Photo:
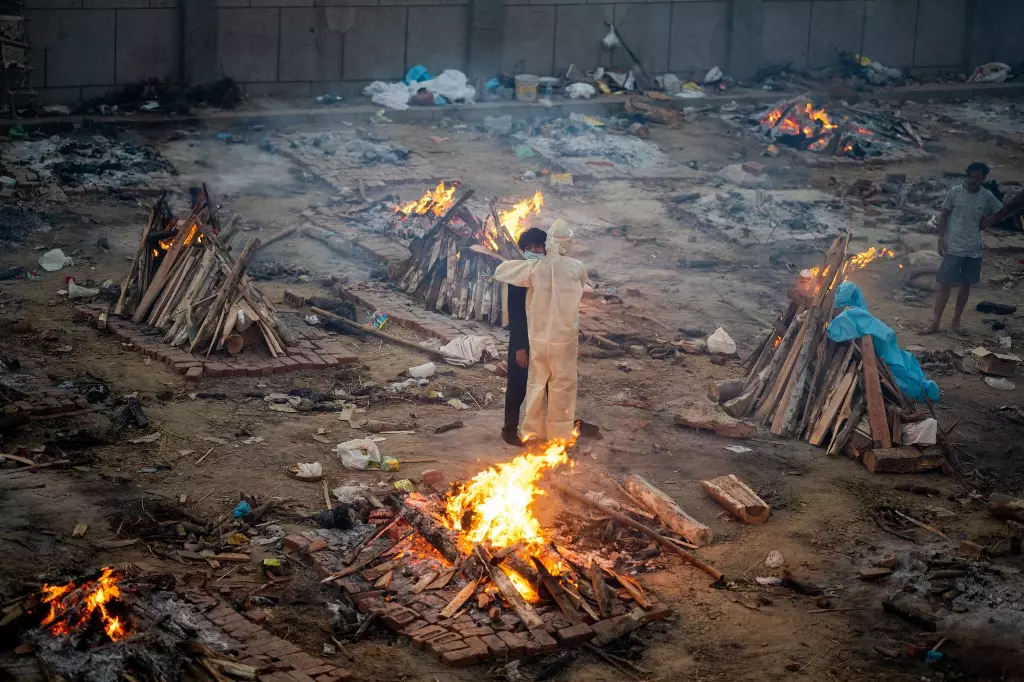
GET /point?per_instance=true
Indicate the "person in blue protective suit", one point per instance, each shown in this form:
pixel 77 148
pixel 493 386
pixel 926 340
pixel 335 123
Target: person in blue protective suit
pixel 554 287
pixel 531 243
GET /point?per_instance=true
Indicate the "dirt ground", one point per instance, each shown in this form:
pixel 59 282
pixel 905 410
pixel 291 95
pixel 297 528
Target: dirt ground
pixel 632 235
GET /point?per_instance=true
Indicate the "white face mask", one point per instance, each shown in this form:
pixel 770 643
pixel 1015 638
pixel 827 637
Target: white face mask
pixel 530 255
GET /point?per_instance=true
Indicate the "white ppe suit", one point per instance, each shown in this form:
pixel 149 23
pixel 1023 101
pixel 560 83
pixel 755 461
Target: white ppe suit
pixel 554 287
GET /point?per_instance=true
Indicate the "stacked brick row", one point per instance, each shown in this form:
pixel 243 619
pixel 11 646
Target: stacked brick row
pixel 47 401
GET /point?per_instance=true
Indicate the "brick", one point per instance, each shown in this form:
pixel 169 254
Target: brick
pixel 300 660
pixel 575 634
pixel 296 676
pixel 754 168
pixel 515 642
pixel 397 619
pixel 293 299
pixel 346 359
pixel 426 633
pixel 460 658
pixel 431 616
pixel 318 670
pixel 411 629
pixel 194 373
pixel 295 543
pixel 439 650
pixel 658 611
pixel 540 642
pixel 256 615
pixel 477 645
pixel 217 369
pixel 440 639
pixel 371 601
pixel 495 646
pixel 288 364
pixel 478 631
pixel 433 477
pixel 316 545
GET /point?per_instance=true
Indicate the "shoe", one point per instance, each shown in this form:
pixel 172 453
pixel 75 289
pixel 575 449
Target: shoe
pixel 511 436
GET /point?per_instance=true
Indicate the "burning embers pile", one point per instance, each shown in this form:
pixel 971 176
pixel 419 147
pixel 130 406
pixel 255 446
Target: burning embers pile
pixel 801 124
pixel 453 261
pixel 74 606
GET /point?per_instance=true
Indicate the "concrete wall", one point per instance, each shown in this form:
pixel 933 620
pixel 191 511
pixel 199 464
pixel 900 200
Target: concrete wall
pixel 82 48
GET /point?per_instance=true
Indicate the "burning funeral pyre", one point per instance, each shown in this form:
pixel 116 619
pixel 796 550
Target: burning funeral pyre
pixel 185 282
pixel 801 124
pixel 841 396
pixel 111 626
pixel 474 573
pixel 452 265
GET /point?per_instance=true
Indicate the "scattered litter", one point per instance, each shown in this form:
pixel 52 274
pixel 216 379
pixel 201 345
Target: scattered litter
pixel 738 449
pixel 241 509
pixel 312 320
pixel 335 517
pixel 580 91
pixel 54 259
pixel 720 342
pixel 349 494
pixel 1000 383
pixel 524 151
pixel 920 433
pixel 562 179
pixel 993 72
pixel 307 471
pixel 774 559
pixel 424 371
pixel 360 454
pixel 148 438
pixel 768 581
pixel 995 364
pixel 74 292
pixel 404 485
pixel 713 75
pixel 450 426
pixel 458 404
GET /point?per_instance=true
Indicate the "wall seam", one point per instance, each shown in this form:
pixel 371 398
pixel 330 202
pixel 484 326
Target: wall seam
pixel 917 23
pixel 863 27
pixel 277 65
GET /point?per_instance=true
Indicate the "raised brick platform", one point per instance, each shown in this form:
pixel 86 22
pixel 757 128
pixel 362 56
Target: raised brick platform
pixel 309 354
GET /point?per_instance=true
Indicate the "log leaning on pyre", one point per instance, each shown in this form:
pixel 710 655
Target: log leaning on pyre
pixel 801 384
pixel 194 290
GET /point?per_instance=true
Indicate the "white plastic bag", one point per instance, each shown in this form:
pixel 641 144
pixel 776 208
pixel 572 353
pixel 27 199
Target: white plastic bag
pixel 54 259
pixel 424 371
pixel 1000 383
pixel 920 433
pixel 348 493
pixel 720 342
pixel 993 72
pixel 452 85
pixel 391 95
pixel 580 91
pixel 76 292
pixel 310 470
pixel 713 75
pixel 611 39
pixel 360 454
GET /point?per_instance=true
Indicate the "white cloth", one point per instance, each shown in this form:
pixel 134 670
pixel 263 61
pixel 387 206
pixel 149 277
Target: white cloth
pixel 554 289
pixel 464 349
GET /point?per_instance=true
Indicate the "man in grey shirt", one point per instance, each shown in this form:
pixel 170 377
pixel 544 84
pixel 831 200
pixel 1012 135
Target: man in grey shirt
pixel 967 210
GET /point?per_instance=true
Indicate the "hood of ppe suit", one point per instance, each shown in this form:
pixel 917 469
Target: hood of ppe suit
pixel 559 238
pixel 554 289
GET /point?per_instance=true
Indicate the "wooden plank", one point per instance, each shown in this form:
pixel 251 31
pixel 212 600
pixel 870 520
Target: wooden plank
pixel 873 393
pixel 553 587
pixel 600 589
pixel 737 497
pixel 459 599
pixel 442 580
pixel 835 401
pixel 422 583
pixel 79 530
pixel 668 511
pixel 525 612
pixel 360 565
pixel 384 581
pixel 163 273
pixel 792 395
pixel 903 460
pixel 767 407
pixel 709 418
pixel 632 587
pixel 372 574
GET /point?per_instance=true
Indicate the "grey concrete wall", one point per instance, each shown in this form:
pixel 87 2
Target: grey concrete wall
pixel 82 48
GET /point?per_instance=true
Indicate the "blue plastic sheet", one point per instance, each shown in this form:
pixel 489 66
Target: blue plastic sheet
pixel 417 74
pixel 856 321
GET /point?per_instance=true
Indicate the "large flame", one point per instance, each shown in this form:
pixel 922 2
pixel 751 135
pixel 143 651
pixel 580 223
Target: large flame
pixel 435 202
pixel 72 606
pixel 811 278
pixel 513 220
pixel 862 259
pixel 816 126
pixel 500 501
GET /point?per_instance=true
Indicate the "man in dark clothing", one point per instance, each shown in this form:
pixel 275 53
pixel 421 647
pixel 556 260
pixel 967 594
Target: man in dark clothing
pixel 531 243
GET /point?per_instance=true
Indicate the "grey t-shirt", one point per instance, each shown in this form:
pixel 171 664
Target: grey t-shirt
pixel 963 229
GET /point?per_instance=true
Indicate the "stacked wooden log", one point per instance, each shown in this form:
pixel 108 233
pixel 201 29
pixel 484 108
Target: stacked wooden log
pixel 802 384
pixel 184 282
pixel 452 265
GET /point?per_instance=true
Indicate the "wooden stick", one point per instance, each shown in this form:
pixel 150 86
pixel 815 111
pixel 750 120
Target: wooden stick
pixel 661 539
pixel 459 599
pixel 283 234
pixel 357 567
pixel 35 467
pixel 600 589
pixel 432 352
pixel 525 612
pixel 556 592
pixel 873 393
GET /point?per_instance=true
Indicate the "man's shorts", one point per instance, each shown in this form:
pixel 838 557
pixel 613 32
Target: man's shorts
pixel 959 270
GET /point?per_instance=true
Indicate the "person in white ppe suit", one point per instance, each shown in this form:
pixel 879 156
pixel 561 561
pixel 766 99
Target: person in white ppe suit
pixel 554 287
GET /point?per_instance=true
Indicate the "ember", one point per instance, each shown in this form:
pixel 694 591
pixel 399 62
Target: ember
pixel 434 202
pixel 72 606
pixel 798 123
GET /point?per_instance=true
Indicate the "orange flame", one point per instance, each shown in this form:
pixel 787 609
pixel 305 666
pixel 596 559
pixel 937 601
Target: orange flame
pixel 501 499
pixel 522 585
pixel 862 259
pixel 513 220
pixel 72 606
pixel 434 202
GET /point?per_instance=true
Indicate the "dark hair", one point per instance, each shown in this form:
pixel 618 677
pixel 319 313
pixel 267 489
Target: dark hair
pixel 533 237
pixel 978 166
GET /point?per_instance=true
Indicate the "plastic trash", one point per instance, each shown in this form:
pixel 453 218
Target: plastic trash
pixel 310 470
pixel 417 74
pixel 453 85
pixel 611 39
pixel 8 181
pixel 713 75
pixel 774 559
pixel 18 132
pixel 492 84
pixel 150 106
pixel 525 151
pixel 498 125
pixel 671 84
pixel 312 320
pixel 920 433
pixel 54 260
pixel 581 91
pixel 424 371
pixel 329 98
pixel 993 72
pixel 738 449
pixel 76 292
pixel 720 342
pixel 1000 383
pixel 359 454
pixel 241 510
pixel 391 95
pixel 1005 342
pixel 379 320
pixel 404 485
pixel 768 581
pixel 348 493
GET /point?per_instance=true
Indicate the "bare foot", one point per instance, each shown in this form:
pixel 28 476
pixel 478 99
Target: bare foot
pixel 932 329
pixel 957 329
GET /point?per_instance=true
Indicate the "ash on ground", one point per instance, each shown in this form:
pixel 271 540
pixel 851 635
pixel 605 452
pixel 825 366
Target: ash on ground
pixel 88 159
pixel 352 147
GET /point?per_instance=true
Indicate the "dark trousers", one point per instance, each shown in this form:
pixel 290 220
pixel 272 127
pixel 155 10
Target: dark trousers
pixel 515 394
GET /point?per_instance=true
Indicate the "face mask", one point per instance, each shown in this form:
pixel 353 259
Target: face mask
pixel 530 255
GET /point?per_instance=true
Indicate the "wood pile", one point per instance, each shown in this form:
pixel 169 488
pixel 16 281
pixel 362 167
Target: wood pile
pixel 185 282
pixel 801 384
pixel 451 268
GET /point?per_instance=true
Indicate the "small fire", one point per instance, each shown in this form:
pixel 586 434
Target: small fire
pixel 496 506
pixel 522 585
pixel 165 244
pixel 72 606
pixel 861 260
pixel 777 342
pixel 434 202
pixel 513 220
